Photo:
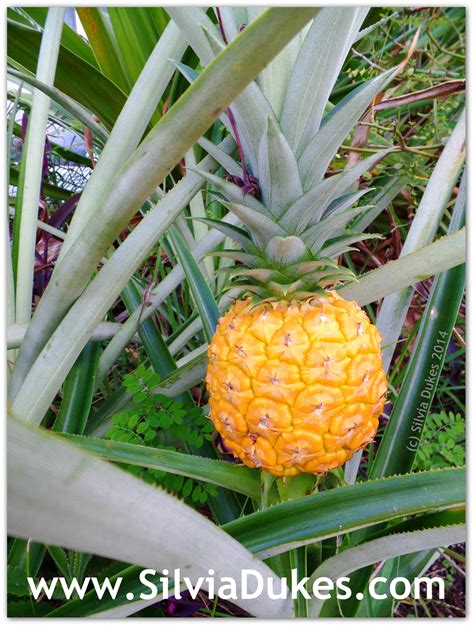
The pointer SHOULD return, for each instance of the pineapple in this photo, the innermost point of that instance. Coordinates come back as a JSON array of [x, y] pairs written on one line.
[[295, 374], [296, 386]]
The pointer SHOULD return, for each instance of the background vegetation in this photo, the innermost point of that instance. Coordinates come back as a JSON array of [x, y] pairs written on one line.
[[139, 379]]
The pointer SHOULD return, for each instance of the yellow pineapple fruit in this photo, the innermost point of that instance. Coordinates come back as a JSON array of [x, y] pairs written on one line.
[[295, 376], [296, 386]]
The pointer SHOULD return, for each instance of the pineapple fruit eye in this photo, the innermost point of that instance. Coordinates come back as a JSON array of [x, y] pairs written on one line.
[[296, 386]]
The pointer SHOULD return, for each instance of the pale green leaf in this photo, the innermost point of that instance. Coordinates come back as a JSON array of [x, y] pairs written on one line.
[[30, 184], [278, 173], [423, 229], [438, 257], [319, 152], [381, 549], [69, 104], [261, 227], [317, 67], [51, 479], [310, 207]]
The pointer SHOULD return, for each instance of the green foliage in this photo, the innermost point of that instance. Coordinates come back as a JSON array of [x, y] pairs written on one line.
[[25, 608], [443, 442], [440, 57], [417, 130], [159, 422], [17, 584]]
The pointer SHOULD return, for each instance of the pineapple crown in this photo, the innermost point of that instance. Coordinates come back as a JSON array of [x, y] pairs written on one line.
[[290, 132], [289, 240]]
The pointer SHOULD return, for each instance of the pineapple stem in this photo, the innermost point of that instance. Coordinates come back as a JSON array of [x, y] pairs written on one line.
[[295, 487], [266, 484], [335, 478]]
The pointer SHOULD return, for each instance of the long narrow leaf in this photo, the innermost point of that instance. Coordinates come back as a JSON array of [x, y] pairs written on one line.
[[442, 255], [83, 317], [403, 432], [319, 152], [251, 109], [30, 183], [78, 391], [222, 473], [154, 344], [394, 308], [70, 39], [157, 296], [319, 62], [333, 512], [309, 208], [73, 107], [410, 566], [382, 199], [136, 34], [128, 129], [73, 77], [103, 45], [381, 549], [103, 332], [278, 170], [202, 295]]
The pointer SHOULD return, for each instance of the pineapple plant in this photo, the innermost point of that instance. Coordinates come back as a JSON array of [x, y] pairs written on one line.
[[291, 219], [295, 374], [295, 371]]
